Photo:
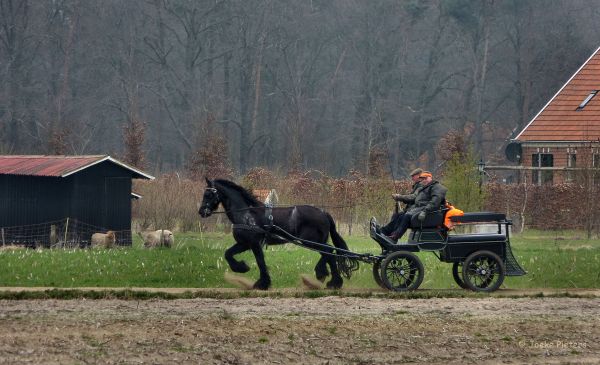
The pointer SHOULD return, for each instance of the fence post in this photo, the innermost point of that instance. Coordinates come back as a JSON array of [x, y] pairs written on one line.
[[66, 230], [3, 237], [53, 237]]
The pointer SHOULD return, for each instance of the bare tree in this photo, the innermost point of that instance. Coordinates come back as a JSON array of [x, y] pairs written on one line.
[[475, 22], [16, 50], [331, 85]]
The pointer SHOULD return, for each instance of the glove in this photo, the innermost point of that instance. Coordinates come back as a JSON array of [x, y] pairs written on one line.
[[402, 198], [421, 216]]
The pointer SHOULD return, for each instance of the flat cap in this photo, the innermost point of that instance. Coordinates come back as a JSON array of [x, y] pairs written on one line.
[[416, 171]]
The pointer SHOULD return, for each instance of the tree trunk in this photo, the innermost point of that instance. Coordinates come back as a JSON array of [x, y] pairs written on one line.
[[481, 88], [245, 117]]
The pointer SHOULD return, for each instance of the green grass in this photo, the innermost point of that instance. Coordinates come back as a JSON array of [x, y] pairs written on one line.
[[553, 260]]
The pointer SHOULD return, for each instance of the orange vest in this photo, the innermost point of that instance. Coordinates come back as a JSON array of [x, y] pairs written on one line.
[[451, 213]]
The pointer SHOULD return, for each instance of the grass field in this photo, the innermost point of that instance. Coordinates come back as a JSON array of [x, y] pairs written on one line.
[[552, 260]]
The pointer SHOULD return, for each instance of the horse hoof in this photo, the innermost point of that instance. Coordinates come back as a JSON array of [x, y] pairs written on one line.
[[335, 284], [240, 267], [322, 278], [261, 285]]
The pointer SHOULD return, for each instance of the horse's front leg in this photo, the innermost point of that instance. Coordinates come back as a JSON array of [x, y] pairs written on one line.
[[235, 265], [264, 282], [321, 269]]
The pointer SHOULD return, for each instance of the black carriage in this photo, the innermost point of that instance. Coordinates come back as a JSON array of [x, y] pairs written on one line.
[[480, 260]]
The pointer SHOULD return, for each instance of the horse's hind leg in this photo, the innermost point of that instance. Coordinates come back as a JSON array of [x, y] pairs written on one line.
[[235, 265], [336, 281], [264, 282], [321, 271]]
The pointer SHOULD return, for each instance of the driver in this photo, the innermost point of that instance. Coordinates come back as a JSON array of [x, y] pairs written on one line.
[[408, 199], [415, 176], [428, 198]]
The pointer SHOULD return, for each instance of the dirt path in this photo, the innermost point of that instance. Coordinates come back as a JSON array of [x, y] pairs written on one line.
[[350, 291], [328, 330]]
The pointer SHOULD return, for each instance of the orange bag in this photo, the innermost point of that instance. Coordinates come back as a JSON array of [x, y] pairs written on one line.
[[451, 213]]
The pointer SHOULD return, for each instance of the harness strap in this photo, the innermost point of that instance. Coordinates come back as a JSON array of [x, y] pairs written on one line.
[[249, 227], [269, 216], [267, 233]]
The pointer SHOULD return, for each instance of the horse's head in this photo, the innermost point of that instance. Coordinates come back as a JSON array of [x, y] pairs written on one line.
[[210, 200]]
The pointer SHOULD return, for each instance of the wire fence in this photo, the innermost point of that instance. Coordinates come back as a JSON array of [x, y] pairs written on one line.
[[350, 220], [64, 233]]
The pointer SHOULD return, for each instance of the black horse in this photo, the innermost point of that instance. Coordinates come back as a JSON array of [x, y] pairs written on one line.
[[250, 217]]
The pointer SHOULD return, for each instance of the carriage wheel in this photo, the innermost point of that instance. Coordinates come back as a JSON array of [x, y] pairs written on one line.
[[457, 274], [377, 274], [483, 271], [402, 271]]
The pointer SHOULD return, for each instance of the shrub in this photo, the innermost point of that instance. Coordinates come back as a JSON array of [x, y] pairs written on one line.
[[171, 202], [168, 202], [464, 182]]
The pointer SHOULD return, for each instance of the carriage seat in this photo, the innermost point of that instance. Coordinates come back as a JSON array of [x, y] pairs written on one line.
[[432, 220], [479, 217]]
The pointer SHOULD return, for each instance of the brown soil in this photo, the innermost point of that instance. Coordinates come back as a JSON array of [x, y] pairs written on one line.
[[329, 330]]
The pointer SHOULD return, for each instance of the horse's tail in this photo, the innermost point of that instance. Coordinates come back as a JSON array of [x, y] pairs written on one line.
[[346, 264]]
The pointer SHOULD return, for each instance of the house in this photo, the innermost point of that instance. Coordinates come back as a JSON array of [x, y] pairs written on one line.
[[563, 138], [48, 199]]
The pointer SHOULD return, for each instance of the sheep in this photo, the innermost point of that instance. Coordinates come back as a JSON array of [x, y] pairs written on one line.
[[106, 240], [160, 237]]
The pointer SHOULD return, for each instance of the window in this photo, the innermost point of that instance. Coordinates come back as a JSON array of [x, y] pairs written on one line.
[[540, 177], [572, 163], [587, 100]]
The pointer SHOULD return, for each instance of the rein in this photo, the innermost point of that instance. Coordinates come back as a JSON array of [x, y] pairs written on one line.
[[269, 208], [282, 207], [319, 247]]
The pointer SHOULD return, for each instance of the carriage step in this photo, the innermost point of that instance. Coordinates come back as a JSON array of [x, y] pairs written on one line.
[[512, 265]]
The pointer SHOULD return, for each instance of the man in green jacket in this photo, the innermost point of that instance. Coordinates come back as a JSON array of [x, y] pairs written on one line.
[[428, 198], [415, 176]]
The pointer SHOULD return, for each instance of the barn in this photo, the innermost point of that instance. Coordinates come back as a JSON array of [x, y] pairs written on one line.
[[63, 200]]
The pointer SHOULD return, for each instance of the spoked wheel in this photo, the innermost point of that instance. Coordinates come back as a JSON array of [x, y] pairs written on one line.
[[457, 275], [377, 274], [483, 271], [402, 271]]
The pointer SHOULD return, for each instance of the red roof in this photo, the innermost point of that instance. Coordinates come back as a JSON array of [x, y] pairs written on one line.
[[561, 120], [56, 166], [261, 194]]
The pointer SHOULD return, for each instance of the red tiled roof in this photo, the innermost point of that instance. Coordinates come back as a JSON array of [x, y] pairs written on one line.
[[261, 194], [56, 166], [560, 120]]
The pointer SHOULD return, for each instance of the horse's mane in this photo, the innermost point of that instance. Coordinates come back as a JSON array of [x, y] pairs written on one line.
[[248, 197]]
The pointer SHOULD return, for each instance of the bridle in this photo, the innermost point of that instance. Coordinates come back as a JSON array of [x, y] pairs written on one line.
[[218, 197], [215, 192]]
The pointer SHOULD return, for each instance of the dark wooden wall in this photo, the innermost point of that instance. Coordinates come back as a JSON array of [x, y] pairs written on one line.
[[99, 196]]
